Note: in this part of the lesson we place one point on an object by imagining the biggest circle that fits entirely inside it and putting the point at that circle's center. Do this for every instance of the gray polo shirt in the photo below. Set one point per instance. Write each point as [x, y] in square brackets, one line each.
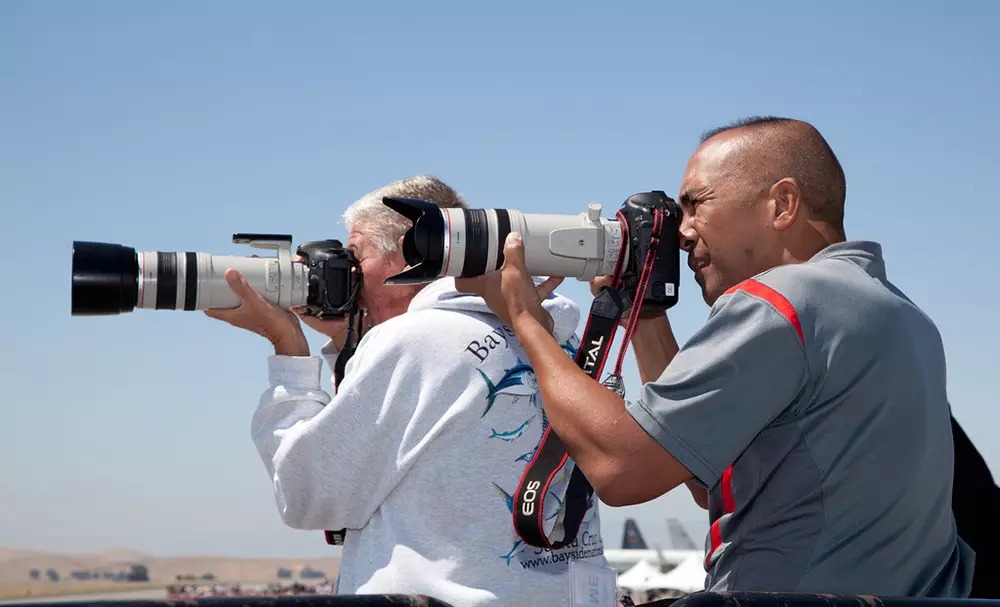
[813, 405]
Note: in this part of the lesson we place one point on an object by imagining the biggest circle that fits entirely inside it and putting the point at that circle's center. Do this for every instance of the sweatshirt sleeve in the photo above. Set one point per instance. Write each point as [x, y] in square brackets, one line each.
[332, 461]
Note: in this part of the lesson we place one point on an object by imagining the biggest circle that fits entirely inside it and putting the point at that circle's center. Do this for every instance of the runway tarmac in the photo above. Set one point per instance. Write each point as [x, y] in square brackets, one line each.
[125, 595]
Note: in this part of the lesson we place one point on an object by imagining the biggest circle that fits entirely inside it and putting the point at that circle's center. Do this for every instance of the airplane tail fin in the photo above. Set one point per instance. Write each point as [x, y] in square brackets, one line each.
[631, 538]
[679, 538]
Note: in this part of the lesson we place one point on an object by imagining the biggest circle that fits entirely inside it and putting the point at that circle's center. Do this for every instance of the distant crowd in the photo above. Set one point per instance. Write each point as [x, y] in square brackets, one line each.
[188, 591]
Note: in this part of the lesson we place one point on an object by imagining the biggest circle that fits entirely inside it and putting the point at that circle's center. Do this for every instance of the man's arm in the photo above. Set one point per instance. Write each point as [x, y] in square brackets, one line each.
[621, 461]
[654, 346]
[332, 465]
[331, 461]
[739, 372]
[653, 341]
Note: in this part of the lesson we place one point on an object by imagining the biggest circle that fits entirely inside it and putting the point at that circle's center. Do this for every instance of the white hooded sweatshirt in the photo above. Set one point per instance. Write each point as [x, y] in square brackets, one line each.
[419, 452]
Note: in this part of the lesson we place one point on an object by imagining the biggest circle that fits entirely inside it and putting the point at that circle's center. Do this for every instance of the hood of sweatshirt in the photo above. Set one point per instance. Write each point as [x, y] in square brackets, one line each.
[441, 295]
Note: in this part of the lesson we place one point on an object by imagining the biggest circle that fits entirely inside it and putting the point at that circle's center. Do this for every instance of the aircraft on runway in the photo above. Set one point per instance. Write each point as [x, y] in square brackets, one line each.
[679, 537]
[634, 548]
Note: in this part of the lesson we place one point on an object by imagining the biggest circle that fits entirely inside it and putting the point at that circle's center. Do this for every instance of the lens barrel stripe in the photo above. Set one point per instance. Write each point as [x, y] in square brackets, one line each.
[503, 230]
[166, 287]
[476, 243]
[491, 238]
[190, 280]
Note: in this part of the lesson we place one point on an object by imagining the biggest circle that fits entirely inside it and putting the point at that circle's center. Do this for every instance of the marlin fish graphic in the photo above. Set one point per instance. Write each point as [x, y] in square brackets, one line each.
[527, 457]
[514, 434]
[513, 551]
[507, 498]
[569, 349]
[519, 380]
[558, 508]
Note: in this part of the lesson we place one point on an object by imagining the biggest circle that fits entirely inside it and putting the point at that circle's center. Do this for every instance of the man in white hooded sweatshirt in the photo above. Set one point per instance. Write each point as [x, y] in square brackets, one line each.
[420, 450]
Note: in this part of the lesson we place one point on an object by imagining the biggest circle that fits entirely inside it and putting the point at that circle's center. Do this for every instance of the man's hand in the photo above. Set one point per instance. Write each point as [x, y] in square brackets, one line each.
[256, 314]
[644, 314]
[510, 292]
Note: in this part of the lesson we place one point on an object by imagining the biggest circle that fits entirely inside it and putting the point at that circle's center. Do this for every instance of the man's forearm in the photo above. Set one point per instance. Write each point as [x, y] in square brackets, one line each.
[581, 411]
[622, 462]
[654, 345]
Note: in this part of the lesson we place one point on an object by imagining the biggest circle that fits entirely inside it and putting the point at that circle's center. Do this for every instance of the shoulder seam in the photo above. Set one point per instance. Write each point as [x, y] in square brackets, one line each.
[778, 301]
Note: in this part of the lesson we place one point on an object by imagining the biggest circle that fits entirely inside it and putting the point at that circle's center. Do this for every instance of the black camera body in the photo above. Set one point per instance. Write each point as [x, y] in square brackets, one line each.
[334, 278]
[664, 281]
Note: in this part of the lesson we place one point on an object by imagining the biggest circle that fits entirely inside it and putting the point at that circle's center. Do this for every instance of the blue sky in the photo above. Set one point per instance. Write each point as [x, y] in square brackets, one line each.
[170, 126]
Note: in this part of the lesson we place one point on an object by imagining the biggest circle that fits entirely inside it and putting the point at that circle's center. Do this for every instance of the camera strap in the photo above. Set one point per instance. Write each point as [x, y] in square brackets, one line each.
[350, 345]
[336, 538]
[550, 456]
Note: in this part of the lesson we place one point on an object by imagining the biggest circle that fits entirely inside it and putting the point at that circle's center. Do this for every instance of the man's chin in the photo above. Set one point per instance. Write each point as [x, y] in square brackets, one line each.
[710, 292]
[706, 291]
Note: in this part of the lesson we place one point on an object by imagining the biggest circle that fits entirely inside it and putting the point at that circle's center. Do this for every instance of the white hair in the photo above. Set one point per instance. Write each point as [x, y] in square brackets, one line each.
[382, 225]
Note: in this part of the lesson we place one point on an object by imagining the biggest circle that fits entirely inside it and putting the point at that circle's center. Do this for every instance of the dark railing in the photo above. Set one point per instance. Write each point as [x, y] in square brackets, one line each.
[292, 600]
[778, 599]
[698, 599]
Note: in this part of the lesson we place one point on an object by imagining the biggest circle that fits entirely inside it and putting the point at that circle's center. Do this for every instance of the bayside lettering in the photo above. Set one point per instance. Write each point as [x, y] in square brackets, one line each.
[482, 348]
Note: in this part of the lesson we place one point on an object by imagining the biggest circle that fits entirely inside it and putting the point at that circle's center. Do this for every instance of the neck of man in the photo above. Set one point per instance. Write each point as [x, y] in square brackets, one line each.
[389, 307]
[815, 236]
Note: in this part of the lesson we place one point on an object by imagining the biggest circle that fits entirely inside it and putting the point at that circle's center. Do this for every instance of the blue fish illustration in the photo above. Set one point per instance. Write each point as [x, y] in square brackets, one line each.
[526, 458]
[507, 498]
[558, 508]
[514, 434]
[569, 349]
[513, 552]
[564, 475]
[519, 380]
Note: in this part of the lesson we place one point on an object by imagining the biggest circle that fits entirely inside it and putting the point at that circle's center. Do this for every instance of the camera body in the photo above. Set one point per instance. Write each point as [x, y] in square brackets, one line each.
[662, 290]
[109, 279]
[334, 278]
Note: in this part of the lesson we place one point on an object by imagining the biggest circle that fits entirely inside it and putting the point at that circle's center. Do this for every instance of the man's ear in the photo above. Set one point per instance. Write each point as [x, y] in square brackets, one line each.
[786, 196]
[398, 257]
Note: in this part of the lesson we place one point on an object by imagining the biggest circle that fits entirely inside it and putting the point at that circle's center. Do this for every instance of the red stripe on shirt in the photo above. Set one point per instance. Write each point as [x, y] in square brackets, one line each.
[727, 491]
[729, 506]
[782, 305]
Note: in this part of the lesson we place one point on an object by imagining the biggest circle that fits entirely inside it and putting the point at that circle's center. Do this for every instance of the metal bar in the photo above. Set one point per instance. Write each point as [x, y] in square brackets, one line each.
[300, 600]
[780, 599]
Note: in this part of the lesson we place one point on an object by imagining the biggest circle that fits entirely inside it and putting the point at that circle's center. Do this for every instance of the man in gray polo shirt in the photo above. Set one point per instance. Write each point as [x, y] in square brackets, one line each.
[809, 414]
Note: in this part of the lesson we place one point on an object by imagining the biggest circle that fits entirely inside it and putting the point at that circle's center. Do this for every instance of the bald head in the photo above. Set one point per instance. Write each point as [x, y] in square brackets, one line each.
[764, 150]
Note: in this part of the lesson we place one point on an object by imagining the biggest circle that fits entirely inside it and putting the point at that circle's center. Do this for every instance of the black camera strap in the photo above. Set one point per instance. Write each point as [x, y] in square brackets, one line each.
[350, 345]
[550, 456]
[336, 538]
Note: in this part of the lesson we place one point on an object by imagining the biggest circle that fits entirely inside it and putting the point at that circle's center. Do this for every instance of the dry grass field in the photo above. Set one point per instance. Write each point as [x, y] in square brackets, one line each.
[16, 567]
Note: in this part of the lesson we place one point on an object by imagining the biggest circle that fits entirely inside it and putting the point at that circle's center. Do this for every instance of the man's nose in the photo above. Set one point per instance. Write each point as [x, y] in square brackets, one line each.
[688, 235]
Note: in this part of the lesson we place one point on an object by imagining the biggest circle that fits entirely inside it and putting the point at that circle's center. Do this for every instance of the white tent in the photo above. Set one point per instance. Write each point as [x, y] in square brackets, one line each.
[642, 576]
[688, 577]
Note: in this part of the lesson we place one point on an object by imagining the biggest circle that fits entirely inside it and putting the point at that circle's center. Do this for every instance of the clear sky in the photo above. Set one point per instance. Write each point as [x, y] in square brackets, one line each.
[170, 126]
